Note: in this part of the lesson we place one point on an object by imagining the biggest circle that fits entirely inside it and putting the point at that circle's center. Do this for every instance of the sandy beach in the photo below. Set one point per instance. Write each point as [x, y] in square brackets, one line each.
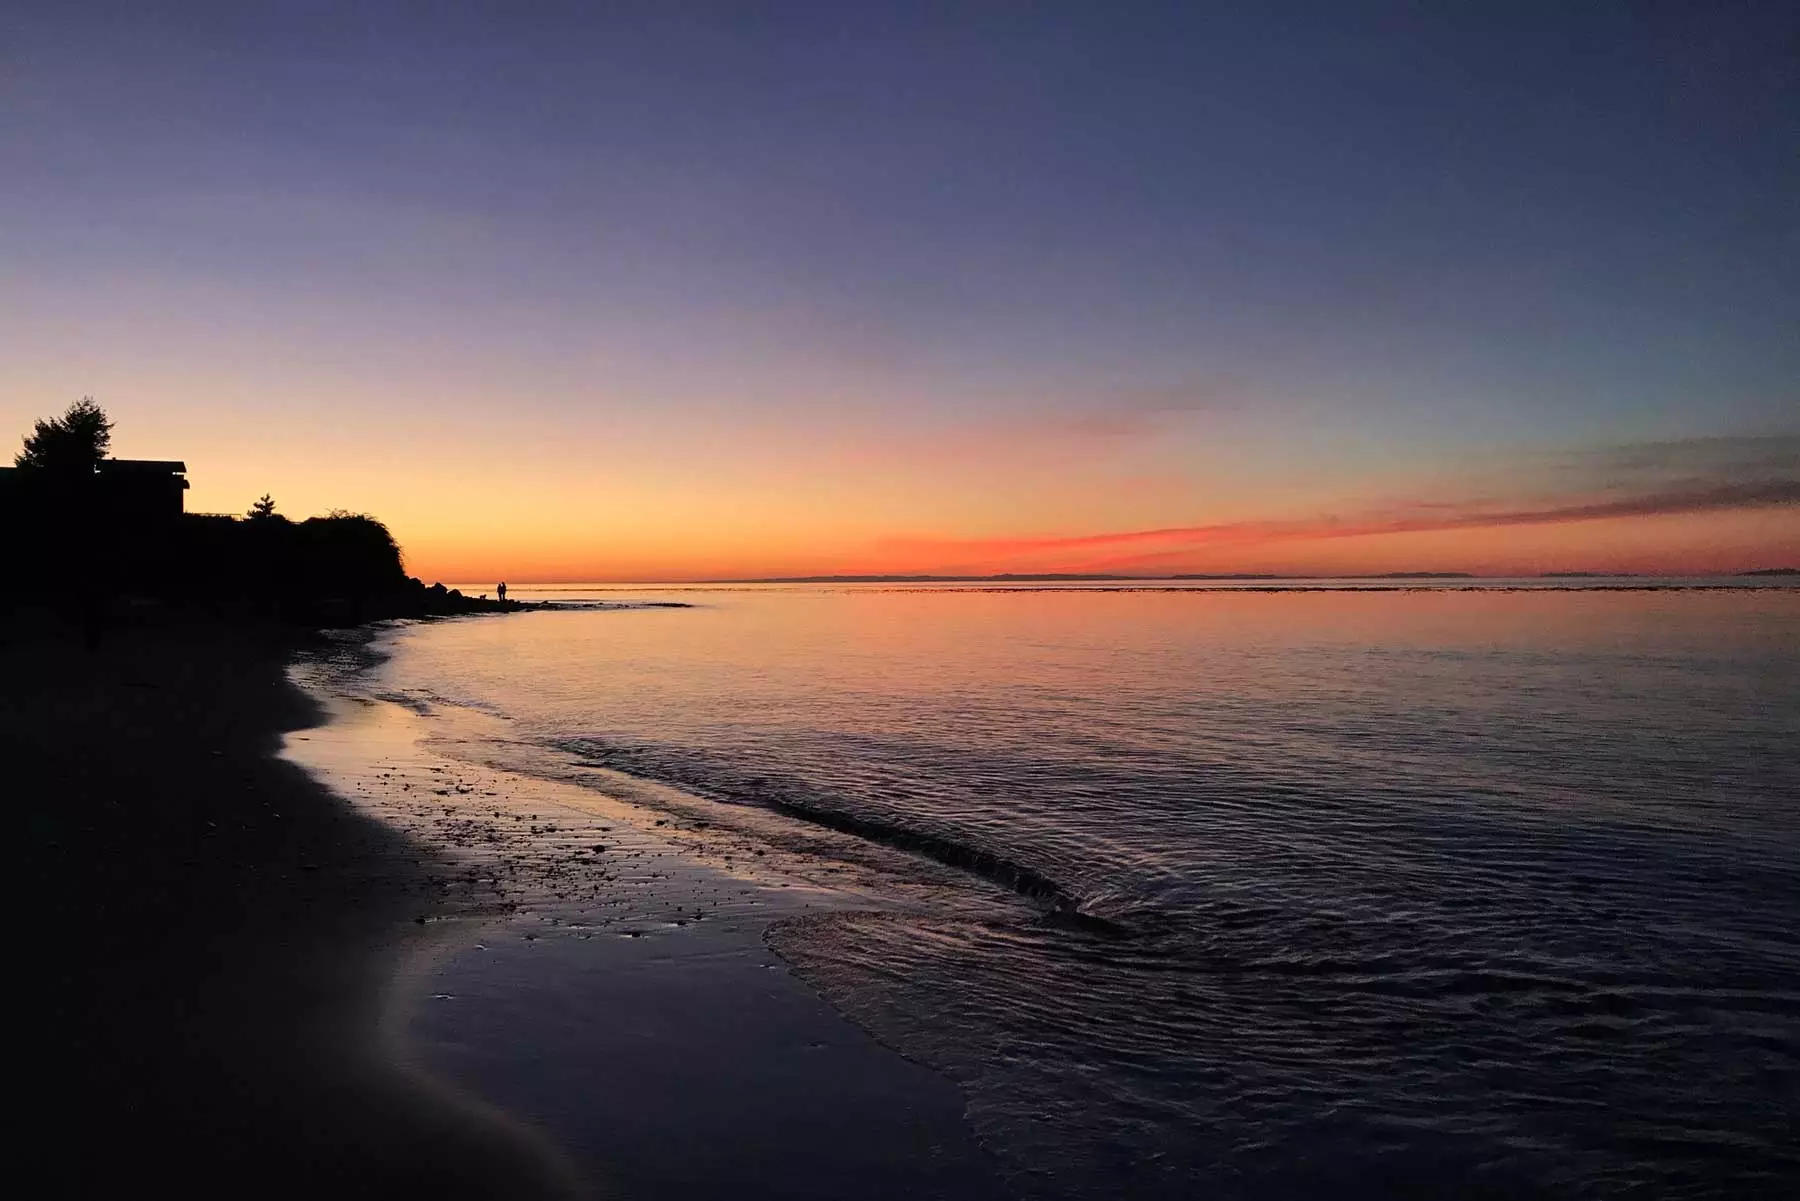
[255, 986]
[216, 933]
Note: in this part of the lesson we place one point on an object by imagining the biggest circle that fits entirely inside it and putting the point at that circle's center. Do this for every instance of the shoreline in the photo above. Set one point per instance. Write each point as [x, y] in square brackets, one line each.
[219, 936]
[593, 934]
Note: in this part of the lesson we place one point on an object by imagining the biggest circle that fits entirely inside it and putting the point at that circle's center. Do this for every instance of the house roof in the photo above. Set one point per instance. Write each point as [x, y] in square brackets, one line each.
[146, 466]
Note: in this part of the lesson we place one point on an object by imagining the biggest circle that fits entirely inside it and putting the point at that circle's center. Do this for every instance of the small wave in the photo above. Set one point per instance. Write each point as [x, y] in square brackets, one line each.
[412, 703]
[1062, 906]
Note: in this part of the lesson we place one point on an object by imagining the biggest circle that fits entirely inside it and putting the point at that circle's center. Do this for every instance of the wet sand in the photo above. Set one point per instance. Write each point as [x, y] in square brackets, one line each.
[597, 966]
[215, 933]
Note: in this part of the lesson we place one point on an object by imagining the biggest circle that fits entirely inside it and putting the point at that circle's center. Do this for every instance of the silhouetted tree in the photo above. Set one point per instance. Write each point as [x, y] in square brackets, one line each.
[263, 509]
[74, 442]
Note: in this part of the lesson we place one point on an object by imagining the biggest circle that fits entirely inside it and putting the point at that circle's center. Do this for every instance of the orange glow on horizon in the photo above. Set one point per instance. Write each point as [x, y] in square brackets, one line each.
[1714, 543]
[489, 492]
[461, 516]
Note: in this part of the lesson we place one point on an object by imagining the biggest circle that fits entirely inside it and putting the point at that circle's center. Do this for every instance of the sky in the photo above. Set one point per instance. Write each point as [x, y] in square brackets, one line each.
[687, 291]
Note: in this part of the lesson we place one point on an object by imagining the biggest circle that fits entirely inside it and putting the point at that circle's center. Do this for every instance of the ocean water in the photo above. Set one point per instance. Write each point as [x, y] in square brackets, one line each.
[1415, 891]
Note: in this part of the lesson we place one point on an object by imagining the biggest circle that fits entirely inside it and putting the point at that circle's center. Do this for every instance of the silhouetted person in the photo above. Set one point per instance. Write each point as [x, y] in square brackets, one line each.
[501, 591]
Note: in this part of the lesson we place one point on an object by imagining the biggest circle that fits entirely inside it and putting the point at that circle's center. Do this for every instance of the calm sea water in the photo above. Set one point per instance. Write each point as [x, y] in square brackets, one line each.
[1428, 892]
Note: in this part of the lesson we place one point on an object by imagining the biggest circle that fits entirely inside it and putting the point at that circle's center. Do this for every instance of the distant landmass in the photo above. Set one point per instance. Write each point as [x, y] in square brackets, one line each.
[926, 579]
[1097, 578]
[1009, 577]
[1384, 575]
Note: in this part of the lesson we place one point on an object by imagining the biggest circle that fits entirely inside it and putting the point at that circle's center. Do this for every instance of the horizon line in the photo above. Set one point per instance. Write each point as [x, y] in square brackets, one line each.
[1103, 577]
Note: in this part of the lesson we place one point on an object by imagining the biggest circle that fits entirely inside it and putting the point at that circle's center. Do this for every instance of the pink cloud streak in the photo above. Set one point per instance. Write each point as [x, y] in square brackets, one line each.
[1416, 517]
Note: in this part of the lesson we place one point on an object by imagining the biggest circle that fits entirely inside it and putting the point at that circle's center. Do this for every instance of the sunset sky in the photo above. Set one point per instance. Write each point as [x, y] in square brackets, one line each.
[675, 291]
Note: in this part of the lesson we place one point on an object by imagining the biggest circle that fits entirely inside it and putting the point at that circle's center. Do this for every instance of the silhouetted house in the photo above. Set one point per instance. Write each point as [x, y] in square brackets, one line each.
[118, 521]
[143, 490]
[136, 491]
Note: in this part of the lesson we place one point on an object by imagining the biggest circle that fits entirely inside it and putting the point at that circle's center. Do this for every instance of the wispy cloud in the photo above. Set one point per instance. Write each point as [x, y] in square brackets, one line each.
[1717, 460]
[1694, 476]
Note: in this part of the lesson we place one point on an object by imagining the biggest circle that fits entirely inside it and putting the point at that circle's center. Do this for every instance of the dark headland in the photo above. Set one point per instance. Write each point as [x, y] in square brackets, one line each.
[210, 929]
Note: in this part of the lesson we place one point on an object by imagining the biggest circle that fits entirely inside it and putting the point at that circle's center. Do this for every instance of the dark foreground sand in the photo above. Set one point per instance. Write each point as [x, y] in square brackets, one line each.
[211, 934]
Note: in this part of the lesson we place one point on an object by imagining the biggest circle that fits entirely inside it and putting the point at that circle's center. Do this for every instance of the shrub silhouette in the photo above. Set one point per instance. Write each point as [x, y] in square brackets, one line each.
[348, 556]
